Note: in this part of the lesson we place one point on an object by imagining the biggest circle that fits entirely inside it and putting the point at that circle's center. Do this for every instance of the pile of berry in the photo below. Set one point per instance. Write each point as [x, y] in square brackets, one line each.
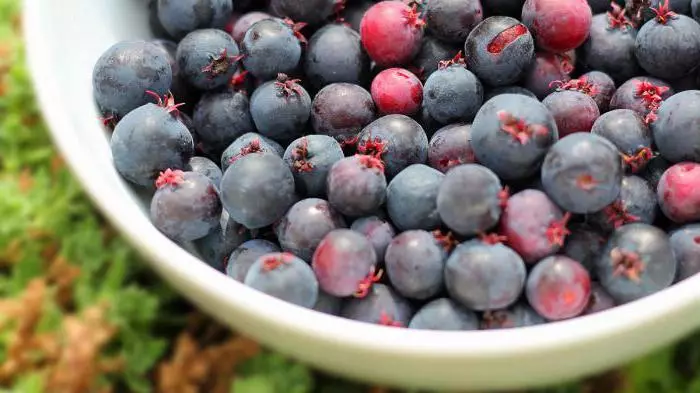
[435, 164]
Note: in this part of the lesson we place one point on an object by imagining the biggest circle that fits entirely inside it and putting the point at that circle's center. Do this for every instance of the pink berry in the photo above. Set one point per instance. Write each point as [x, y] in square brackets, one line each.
[558, 25]
[397, 91]
[558, 288]
[679, 192]
[391, 32]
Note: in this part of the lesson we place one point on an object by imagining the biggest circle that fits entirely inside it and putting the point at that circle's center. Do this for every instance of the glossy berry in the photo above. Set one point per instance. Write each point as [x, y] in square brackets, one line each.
[412, 198]
[335, 55]
[533, 225]
[452, 20]
[574, 111]
[345, 264]
[678, 192]
[685, 242]
[270, 47]
[558, 25]
[308, 11]
[257, 189]
[469, 199]
[637, 261]
[397, 91]
[207, 58]
[244, 23]
[602, 88]
[558, 288]
[206, 167]
[600, 300]
[582, 173]
[545, 69]
[432, 52]
[217, 246]
[280, 108]
[636, 203]
[186, 205]
[610, 46]
[125, 72]
[499, 50]
[444, 314]
[378, 231]
[397, 140]
[304, 226]
[511, 134]
[184, 16]
[661, 37]
[382, 306]
[627, 130]
[675, 128]
[356, 185]
[245, 255]
[249, 143]
[484, 276]
[148, 140]
[517, 316]
[220, 118]
[310, 158]
[391, 32]
[285, 277]
[451, 146]
[656, 167]
[453, 93]
[583, 245]
[342, 110]
[643, 95]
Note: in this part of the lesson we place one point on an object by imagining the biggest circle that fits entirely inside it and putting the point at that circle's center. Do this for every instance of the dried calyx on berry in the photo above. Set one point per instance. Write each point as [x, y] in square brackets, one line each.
[582, 85]
[457, 60]
[370, 162]
[273, 262]
[503, 197]
[492, 238]
[557, 231]
[495, 320]
[366, 283]
[618, 215]
[412, 17]
[300, 156]
[663, 12]
[237, 82]
[627, 263]
[638, 161]
[297, 27]
[170, 177]
[586, 182]
[446, 240]
[252, 147]
[220, 64]
[519, 129]
[386, 320]
[288, 86]
[374, 147]
[617, 18]
[167, 102]
[651, 96]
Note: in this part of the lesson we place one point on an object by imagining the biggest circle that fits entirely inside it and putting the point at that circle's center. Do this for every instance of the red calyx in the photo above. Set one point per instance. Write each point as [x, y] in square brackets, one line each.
[618, 215]
[220, 64]
[275, 261]
[637, 161]
[288, 86]
[366, 283]
[696, 240]
[503, 197]
[519, 129]
[300, 154]
[446, 240]
[170, 177]
[627, 263]
[350, 141]
[557, 230]
[373, 147]
[458, 59]
[238, 80]
[495, 320]
[296, 28]
[338, 9]
[663, 12]
[167, 102]
[492, 238]
[386, 320]
[109, 121]
[252, 147]
[582, 85]
[617, 18]
[651, 97]
[370, 162]
[586, 182]
[412, 17]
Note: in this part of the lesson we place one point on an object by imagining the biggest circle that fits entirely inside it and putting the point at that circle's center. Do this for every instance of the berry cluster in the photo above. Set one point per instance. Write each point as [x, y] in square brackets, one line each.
[441, 164]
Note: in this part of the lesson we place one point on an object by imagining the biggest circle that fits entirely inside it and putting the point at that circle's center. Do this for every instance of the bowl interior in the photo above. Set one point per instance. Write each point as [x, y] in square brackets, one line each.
[65, 39]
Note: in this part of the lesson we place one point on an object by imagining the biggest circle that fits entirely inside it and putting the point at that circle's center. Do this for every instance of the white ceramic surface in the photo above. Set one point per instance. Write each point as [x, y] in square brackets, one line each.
[65, 37]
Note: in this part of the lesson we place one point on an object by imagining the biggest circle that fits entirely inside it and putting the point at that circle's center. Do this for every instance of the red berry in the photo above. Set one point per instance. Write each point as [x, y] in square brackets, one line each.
[558, 25]
[558, 288]
[391, 32]
[397, 91]
[679, 192]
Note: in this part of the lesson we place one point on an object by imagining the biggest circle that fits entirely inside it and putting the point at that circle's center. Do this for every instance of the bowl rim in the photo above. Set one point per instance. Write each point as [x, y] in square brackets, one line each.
[165, 255]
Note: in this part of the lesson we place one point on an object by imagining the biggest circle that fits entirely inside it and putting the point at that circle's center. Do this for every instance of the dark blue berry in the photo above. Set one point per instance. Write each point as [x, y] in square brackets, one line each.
[610, 47]
[356, 185]
[600, 300]
[285, 277]
[270, 47]
[335, 55]
[280, 108]
[637, 261]
[504, 7]
[378, 231]
[675, 129]
[310, 158]
[243, 257]
[207, 58]
[249, 143]
[661, 39]
[148, 140]
[469, 199]
[342, 110]
[309, 11]
[412, 198]
[125, 72]
[508, 90]
[220, 118]
[654, 170]
[452, 94]
[381, 306]
[415, 264]
[304, 226]
[328, 304]
[627, 130]
[452, 20]
[685, 242]
[216, 247]
[257, 190]
[179, 88]
[637, 203]
[519, 315]
[444, 314]
[180, 17]
[432, 52]
[511, 135]
[451, 146]
[584, 245]
[582, 173]
[638, 93]
[574, 111]
[207, 168]
[603, 88]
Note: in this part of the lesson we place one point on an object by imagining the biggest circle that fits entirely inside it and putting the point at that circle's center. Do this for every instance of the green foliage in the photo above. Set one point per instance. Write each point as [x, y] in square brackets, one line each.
[272, 373]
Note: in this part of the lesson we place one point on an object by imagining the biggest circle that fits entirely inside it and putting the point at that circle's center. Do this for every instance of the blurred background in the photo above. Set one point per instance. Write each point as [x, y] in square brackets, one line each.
[80, 312]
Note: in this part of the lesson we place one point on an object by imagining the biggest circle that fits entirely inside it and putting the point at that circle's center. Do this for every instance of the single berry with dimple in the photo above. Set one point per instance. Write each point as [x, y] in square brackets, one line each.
[220, 118]
[573, 110]
[335, 55]
[451, 146]
[547, 68]
[453, 93]
[444, 314]
[685, 242]
[356, 185]
[391, 32]
[281, 108]
[271, 46]
[342, 110]
[378, 231]
[558, 25]
[558, 288]
[186, 205]
[676, 127]
[411, 198]
[207, 58]
[310, 158]
[249, 143]
[452, 20]
[678, 192]
[627, 130]
[285, 277]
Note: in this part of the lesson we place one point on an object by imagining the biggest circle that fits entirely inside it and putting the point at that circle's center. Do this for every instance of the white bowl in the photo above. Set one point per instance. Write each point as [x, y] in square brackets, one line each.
[64, 38]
